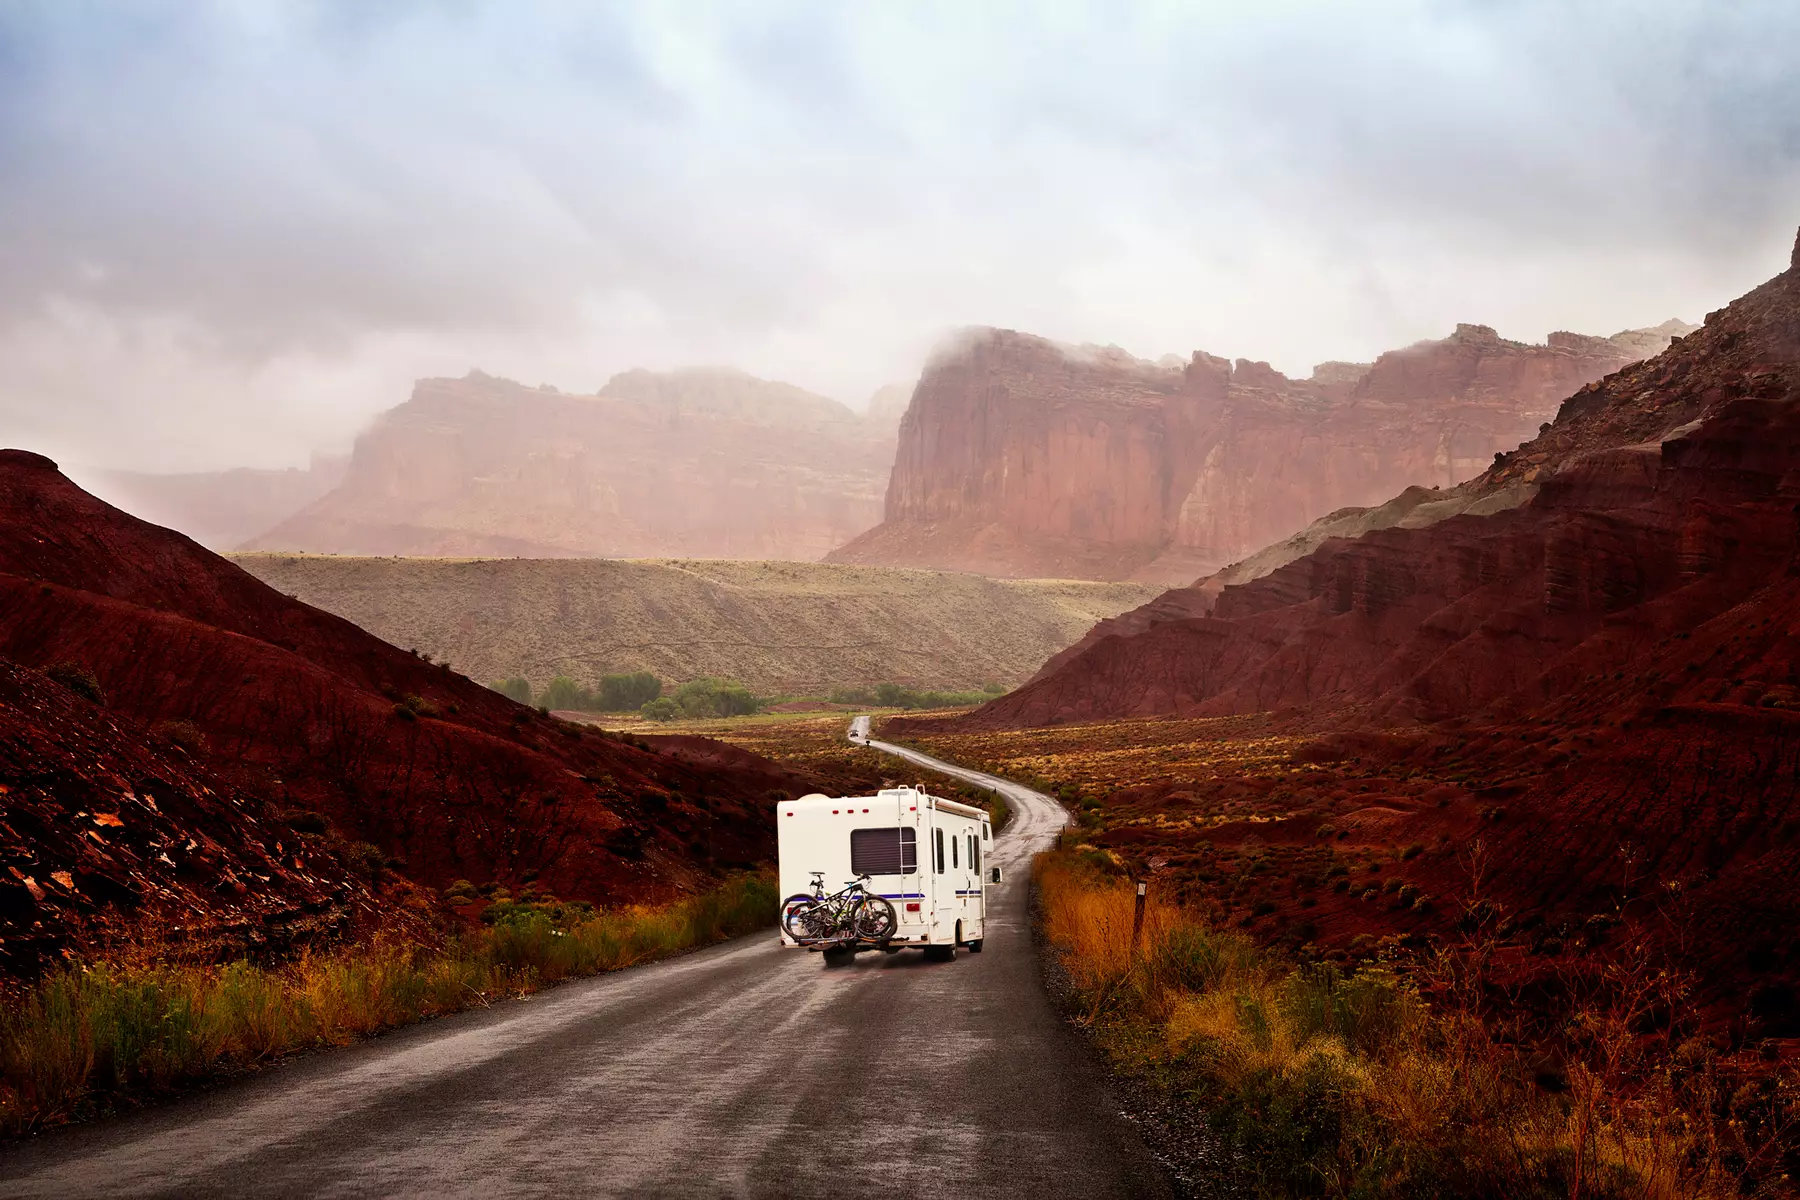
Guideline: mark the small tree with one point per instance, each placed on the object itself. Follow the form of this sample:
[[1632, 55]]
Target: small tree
[[892, 695], [518, 688], [564, 692], [622, 693], [664, 709]]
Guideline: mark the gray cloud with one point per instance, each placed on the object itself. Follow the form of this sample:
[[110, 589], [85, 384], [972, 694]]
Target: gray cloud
[[234, 231]]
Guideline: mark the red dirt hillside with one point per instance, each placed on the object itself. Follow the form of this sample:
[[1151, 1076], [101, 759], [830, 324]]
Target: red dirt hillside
[[1602, 683], [302, 711], [109, 831], [1659, 500]]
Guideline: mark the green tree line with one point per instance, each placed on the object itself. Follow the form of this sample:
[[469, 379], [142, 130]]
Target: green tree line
[[639, 692], [616, 693]]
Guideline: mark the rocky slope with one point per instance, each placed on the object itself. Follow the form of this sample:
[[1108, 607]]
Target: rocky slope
[[110, 830], [1022, 457], [221, 704], [704, 463], [780, 628]]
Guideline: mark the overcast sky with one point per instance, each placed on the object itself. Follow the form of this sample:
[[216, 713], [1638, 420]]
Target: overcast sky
[[231, 233]]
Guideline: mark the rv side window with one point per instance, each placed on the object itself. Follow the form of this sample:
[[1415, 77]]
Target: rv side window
[[940, 851], [884, 851], [953, 861], [974, 852]]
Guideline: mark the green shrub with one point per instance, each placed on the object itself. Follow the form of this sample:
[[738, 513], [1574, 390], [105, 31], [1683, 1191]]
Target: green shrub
[[663, 709], [301, 820], [714, 697], [184, 734], [1194, 958], [1366, 1011], [77, 679], [461, 892]]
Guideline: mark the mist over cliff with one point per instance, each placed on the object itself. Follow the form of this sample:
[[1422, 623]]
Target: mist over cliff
[[1023, 457]]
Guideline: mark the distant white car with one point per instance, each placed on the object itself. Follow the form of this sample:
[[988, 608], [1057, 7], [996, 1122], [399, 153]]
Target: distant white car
[[923, 854]]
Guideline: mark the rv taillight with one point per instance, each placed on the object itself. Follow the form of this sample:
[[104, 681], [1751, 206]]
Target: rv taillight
[[790, 814], [912, 908]]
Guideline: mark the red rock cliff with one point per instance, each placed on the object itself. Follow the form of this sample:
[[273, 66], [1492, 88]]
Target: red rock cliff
[[687, 464], [1022, 457]]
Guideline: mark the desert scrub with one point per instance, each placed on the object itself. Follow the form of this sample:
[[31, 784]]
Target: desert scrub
[[1323, 1081], [84, 1038]]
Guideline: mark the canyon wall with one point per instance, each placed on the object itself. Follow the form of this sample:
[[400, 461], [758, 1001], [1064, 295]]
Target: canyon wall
[[1658, 504], [699, 463], [1019, 456]]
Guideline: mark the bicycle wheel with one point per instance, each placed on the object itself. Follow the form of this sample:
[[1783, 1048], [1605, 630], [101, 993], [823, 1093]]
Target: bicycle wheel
[[875, 919], [804, 918]]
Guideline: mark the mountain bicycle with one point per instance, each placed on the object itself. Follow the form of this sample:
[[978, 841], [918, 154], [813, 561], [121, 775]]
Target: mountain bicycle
[[851, 915]]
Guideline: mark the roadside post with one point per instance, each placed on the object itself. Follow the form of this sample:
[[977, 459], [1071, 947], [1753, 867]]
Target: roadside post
[[1137, 918]]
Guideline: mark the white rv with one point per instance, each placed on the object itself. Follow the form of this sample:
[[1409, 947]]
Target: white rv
[[923, 854]]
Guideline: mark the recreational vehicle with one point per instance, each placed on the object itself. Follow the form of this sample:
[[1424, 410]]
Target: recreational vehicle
[[920, 853]]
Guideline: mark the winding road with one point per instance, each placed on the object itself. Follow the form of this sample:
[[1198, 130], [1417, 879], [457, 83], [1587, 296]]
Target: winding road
[[740, 1070]]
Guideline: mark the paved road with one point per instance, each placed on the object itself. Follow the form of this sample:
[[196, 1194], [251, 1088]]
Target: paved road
[[742, 1070]]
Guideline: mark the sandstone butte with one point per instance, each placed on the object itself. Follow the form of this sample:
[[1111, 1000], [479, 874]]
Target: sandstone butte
[[157, 809], [1022, 457], [693, 464], [1614, 642]]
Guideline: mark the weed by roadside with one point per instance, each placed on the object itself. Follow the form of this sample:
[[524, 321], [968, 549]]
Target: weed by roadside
[[89, 1036], [1386, 1082]]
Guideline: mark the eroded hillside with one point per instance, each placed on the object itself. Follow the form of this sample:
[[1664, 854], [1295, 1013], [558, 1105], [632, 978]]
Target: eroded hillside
[[779, 627], [209, 709]]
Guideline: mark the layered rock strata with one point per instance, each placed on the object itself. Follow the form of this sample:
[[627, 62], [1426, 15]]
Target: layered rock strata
[[1022, 457], [703, 463]]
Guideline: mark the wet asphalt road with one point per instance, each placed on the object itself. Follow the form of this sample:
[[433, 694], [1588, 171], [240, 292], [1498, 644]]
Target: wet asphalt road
[[741, 1070]]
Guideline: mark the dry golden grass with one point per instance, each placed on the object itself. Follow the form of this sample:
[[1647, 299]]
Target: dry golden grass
[[781, 628], [1122, 754], [1333, 1084], [88, 1036]]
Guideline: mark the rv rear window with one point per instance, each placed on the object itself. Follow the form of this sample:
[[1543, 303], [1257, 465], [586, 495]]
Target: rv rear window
[[884, 851]]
